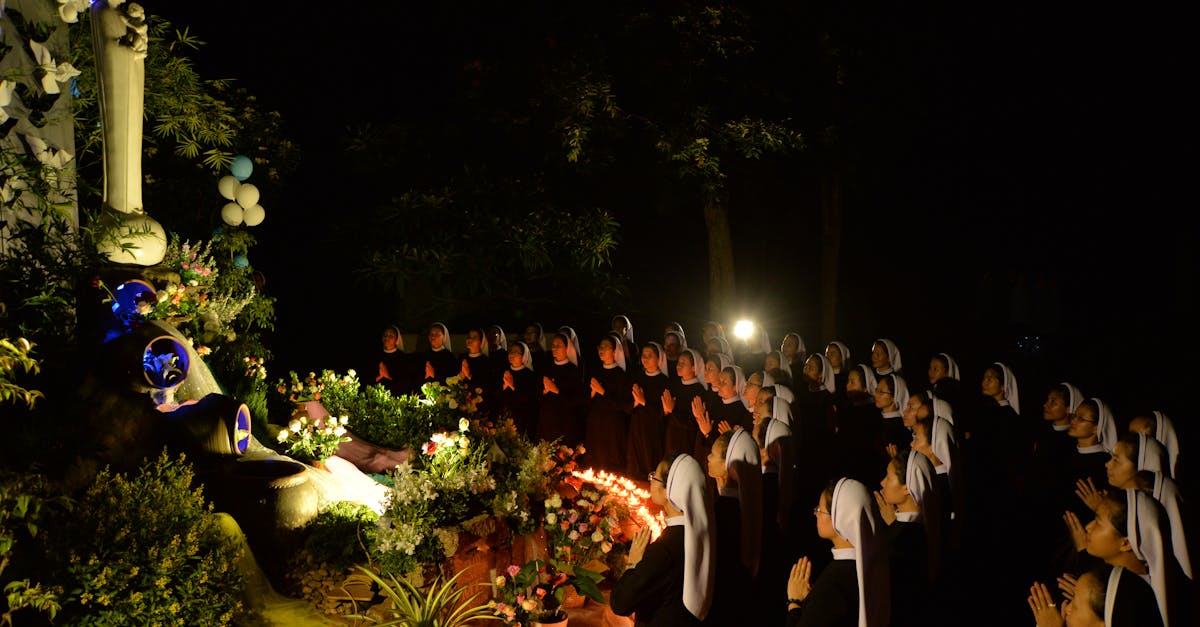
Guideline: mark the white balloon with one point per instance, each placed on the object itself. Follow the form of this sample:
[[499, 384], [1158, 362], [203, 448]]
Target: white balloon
[[255, 215], [228, 186], [247, 195], [232, 213]]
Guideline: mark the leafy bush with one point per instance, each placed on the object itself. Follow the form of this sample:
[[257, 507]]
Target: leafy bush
[[339, 534], [396, 421], [149, 551]]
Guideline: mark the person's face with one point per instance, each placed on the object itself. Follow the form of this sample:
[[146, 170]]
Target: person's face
[[992, 385], [1103, 540], [753, 385], [791, 346], [824, 519], [618, 325], [1083, 422], [771, 362], [937, 371], [671, 346], [711, 372], [894, 491], [1079, 612], [812, 370], [921, 435], [436, 338], [883, 396], [474, 341], [763, 406], [685, 367], [726, 386], [708, 333], [658, 488], [1144, 425], [390, 340], [1121, 466], [1055, 408], [912, 410], [607, 352], [854, 382], [834, 355], [558, 348], [516, 357], [716, 460], [649, 359], [531, 335], [493, 339], [879, 356]]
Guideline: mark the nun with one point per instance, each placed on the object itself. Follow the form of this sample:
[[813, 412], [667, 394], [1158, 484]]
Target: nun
[[728, 411], [839, 357], [735, 465], [885, 357], [1137, 462], [1095, 434], [945, 380], [1158, 426], [647, 428], [624, 330], [560, 412], [440, 363], [476, 366], [794, 352], [677, 402], [859, 426], [394, 369], [909, 507], [520, 389], [535, 339], [891, 398], [670, 582], [674, 343], [607, 419], [855, 589], [1103, 596], [497, 352]]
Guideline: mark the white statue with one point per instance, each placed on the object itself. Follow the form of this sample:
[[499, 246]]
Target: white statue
[[119, 37]]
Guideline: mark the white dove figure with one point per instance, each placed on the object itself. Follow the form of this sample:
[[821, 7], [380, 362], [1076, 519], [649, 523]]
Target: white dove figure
[[55, 72]]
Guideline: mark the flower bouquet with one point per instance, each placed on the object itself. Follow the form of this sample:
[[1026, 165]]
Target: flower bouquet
[[581, 532], [308, 440], [534, 592]]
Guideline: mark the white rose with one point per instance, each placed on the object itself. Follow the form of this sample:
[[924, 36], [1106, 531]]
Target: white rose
[[464, 424], [294, 425], [352, 373], [283, 435], [339, 431], [551, 519], [597, 536]]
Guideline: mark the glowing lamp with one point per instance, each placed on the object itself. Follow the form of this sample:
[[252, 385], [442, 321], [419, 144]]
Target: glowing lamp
[[743, 330]]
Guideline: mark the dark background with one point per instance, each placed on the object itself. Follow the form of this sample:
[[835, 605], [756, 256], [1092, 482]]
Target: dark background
[[1017, 188]]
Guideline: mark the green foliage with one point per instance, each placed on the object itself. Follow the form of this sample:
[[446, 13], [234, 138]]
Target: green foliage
[[15, 361], [395, 422], [149, 550], [340, 534], [442, 605]]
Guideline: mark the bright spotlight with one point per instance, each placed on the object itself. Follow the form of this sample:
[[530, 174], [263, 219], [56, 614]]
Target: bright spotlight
[[743, 329]]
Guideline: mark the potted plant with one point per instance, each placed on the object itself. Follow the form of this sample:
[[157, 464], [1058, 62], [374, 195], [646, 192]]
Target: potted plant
[[308, 440], [532, 594]]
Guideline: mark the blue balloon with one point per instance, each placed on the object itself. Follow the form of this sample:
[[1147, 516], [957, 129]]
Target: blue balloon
[[241, 167], [240, 261]]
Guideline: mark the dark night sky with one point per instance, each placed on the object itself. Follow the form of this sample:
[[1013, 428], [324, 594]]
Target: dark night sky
[[1000, 145]]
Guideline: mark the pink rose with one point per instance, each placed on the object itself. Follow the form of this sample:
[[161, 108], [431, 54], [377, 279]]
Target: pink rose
[[513, 570], [583, 527]]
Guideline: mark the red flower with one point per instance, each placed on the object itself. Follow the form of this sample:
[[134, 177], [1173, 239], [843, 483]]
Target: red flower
[[541, 593]]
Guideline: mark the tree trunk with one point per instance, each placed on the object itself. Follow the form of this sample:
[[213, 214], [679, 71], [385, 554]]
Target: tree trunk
[[831, 244], [720, 259]]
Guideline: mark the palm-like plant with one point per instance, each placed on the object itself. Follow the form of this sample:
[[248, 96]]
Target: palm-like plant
[[442, 606]]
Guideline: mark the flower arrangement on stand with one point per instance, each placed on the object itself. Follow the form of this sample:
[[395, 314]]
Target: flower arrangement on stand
[[580, 532], [534, 592], [308, 440]]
